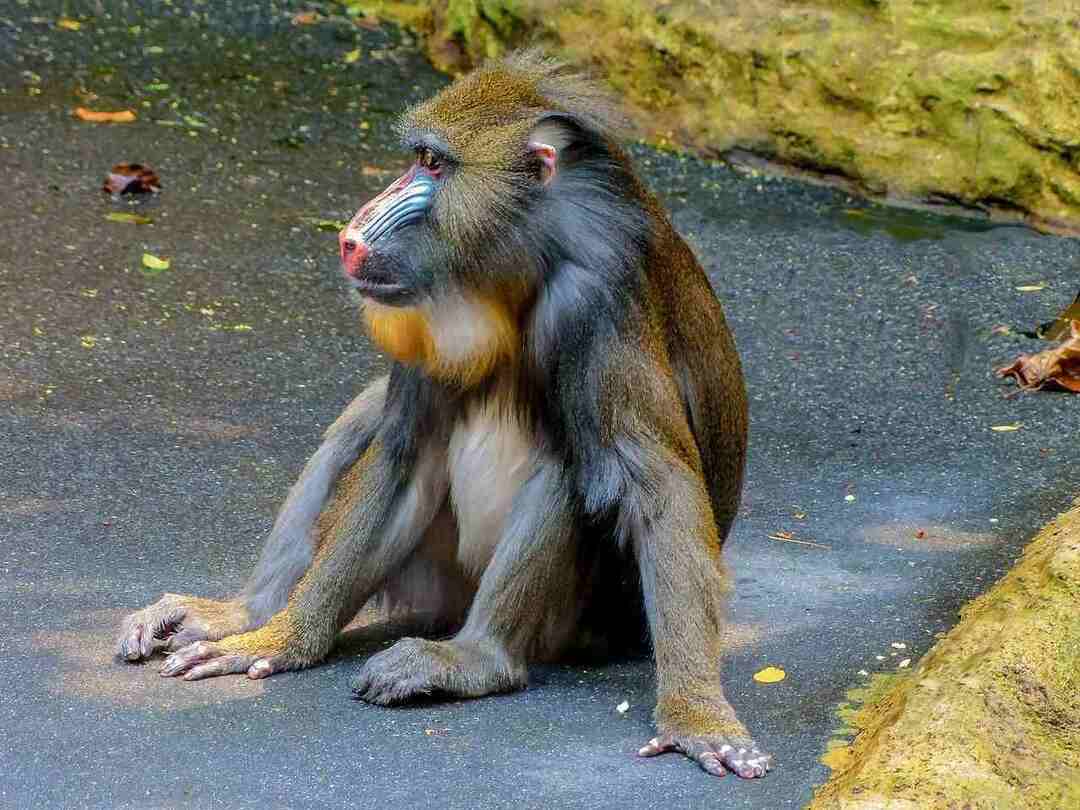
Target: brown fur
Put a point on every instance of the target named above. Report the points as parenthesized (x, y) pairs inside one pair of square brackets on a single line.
[(464, 512)]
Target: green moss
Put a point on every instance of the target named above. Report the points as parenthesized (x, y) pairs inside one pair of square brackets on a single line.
[(990, 718), (970, 100)]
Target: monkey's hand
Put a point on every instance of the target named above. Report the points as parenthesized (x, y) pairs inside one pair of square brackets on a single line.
[(711, 736), (176, 621), (415, 668), (259, 653)]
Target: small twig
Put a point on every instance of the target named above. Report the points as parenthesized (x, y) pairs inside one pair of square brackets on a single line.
[(799, 542)]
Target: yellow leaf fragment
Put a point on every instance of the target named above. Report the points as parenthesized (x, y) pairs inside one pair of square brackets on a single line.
[(134, 219), (351, 56), (97, 117), (770, 675), (68, 24), (1006, 428), (88, 341), (152, 262), (1032, 287)]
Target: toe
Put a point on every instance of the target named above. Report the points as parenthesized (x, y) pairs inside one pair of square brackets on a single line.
[(183, 660), (128, 646), (744, 762), (711, 762), (226, 665), (657, 745)]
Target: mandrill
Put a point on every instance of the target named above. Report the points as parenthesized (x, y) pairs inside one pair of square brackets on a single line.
[(556, 454)]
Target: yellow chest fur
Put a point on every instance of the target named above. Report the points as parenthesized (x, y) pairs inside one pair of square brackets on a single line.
[(455, 339)]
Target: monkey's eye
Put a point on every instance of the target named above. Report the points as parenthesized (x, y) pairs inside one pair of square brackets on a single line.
[(428, 159)]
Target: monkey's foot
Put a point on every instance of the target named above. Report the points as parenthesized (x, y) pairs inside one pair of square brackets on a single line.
[(414, 668), (257, 654), (176, 621), (716, 754)]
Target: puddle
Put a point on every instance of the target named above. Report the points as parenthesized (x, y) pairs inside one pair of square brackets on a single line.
[(928, 536), (904, 225)]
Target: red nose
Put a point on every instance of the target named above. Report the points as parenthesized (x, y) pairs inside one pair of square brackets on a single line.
[(353, 254)]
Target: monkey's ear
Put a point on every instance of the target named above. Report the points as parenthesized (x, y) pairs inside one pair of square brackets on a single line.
[(550, 137), (548, 156)]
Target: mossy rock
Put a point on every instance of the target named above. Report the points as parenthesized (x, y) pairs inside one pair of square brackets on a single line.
[(990, 718), (971, 101)]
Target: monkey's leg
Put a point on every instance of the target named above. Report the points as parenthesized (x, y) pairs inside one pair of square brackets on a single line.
[(176, 621), (525, 603), (382, 519), (681, 576)]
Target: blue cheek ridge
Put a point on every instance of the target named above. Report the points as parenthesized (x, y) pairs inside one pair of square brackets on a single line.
[(409, 206)]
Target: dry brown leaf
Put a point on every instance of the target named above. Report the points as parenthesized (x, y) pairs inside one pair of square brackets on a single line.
[(131, 178), (306, 18), (95, 117), (1058, 367), (1058, 329)]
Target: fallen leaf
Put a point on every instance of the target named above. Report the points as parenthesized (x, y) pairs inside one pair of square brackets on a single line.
[(623, 707), (131, 178), (1032, 287), (1006, 428), (306, 18), (152, 262), (351, 56), (68, 24), (770, 675), (367, 23), (133, 219), (88, 341), (97, 117), (1058, 367), (329, 225), (1058, 329)]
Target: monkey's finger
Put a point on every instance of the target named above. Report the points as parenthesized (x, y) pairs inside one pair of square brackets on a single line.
[(181, 639), (129, 645), (657, 745), (711, 762), (265, 667), (225, 665), (183, 660), (745, 762)]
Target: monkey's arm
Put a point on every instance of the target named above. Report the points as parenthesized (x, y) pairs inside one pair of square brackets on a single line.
[(674, 537), (380, 514), (176, 621)]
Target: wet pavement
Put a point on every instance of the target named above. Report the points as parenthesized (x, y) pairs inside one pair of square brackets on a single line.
[(150, 423)]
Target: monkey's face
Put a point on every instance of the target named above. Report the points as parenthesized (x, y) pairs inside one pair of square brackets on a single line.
[(383, 248)]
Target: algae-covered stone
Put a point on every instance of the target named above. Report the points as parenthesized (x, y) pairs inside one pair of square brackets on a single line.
[(991, 716), (968, 101)]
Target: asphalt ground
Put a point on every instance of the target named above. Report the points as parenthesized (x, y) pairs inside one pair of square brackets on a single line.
[(151, 422)]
